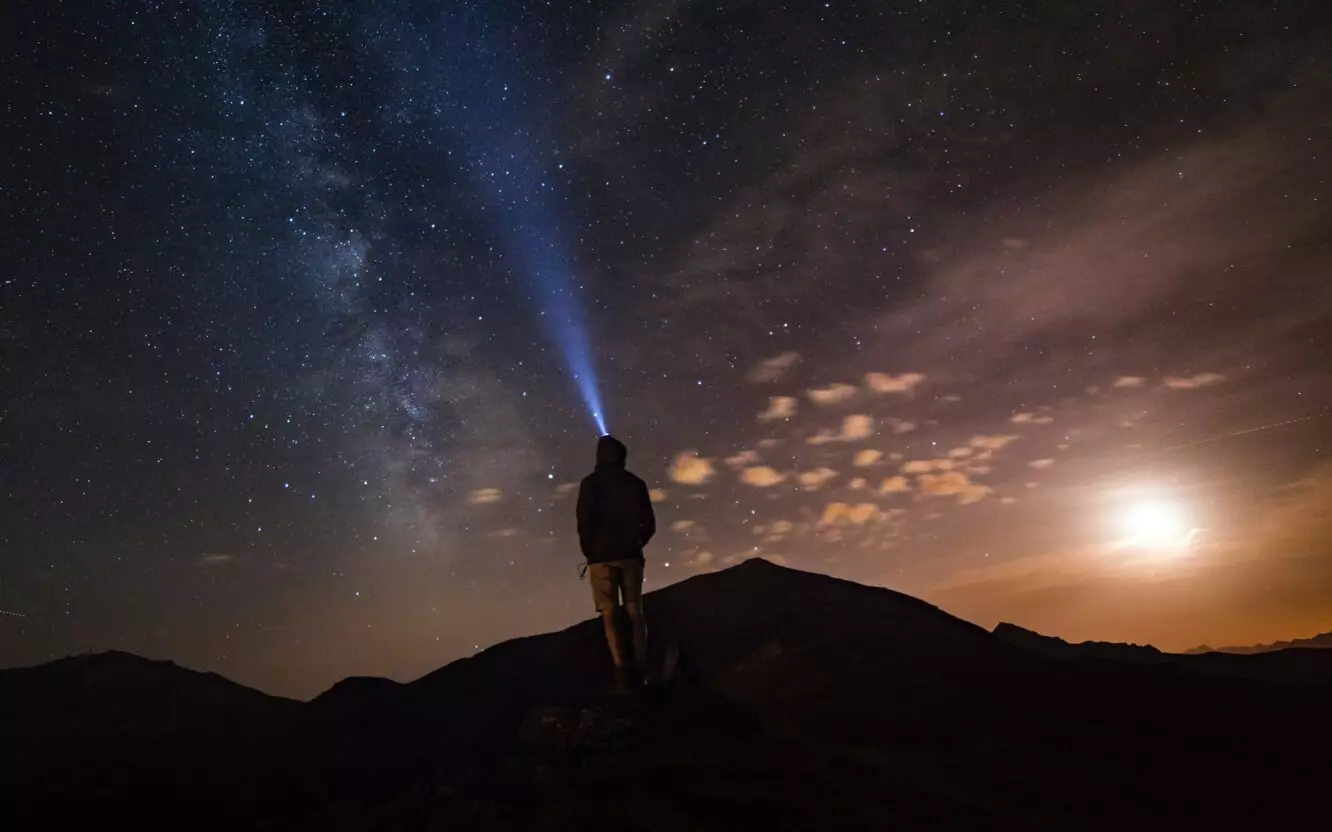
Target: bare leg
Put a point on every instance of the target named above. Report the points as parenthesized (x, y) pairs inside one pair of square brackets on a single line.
[(608, 624), (638, 627)]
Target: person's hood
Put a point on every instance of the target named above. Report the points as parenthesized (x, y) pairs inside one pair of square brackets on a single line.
[(611, 452)]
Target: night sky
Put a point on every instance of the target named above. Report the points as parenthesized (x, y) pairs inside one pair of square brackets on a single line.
[(1024, 308)]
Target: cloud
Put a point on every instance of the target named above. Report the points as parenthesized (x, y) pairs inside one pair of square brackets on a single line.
[(741, 459), (895, 485), (506, 532), (816, 479), (682, 525), (691, 469), (1041, 463), (216, 559), (841, 514), (992, 443), (761, 476), (924, 466), (773, 368), (952, 483), (779, 407), (866, 458), (901, 426), (1030, 419), (1192, 382), (832, 394), (961, 453), (1129, 382), (857, 484), (657, 495), (565, 488), (855, 428), (781, 527), (882, 383), (485, 496)]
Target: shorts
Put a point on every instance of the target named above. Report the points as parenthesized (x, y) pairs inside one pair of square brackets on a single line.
[(616, 582)]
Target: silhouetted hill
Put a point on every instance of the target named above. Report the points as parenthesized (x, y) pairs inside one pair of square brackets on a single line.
[(802, 701), (115, 695), (1295, 664), (1321, 641)]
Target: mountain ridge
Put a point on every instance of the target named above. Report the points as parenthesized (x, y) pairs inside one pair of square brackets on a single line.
[(801, 700)]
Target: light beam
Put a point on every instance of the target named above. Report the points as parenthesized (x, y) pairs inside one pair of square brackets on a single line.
[(492, 105)]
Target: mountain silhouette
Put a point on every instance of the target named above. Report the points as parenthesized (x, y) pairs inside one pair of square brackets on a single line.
[(1321, 641), (801, 702)]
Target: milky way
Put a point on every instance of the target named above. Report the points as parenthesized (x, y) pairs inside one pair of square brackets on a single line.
[(308, 311)]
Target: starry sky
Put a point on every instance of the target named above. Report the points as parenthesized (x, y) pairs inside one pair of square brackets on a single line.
[(302, 306)]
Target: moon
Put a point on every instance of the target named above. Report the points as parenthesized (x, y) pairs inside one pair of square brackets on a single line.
[(1156, 524)]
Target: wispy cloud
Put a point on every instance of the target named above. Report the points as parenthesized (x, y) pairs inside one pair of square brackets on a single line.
[(773, 369), (832, 394), (484, 496), (779, 407)]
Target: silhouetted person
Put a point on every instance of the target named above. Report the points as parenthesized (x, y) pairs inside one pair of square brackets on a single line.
[(615, 522)]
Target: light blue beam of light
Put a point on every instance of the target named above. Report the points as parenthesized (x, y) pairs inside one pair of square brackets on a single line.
[(491, 108)]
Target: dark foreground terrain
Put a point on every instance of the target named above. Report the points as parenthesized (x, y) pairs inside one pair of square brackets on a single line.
[(801, 702)]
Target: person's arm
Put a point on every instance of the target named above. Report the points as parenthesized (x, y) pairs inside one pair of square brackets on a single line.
[(587, 516), (648, 524)]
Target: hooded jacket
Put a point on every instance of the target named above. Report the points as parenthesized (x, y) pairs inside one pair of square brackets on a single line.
[(615, 516)]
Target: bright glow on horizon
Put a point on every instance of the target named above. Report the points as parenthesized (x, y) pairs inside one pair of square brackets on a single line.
[(1156, 524)]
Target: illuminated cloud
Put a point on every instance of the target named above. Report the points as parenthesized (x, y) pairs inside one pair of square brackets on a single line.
[(682, 525), (216, 559), (657, 495), (823, 437), (1192, 382), (858, 483), (952, 483), (855, 428), (960, 453), (761, 476), (742, 459), (841, 514), (895, 485), (565, 488), (1030, 419), (1041, 463), (833, 394), (502, 533), (866, 458), (779, 407), (773, 368), (781, 527), (816, 479), (691, 469), (992, 443), (484, 496), (901, 426), (1129, 382), (883, 383), (924, 466)]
